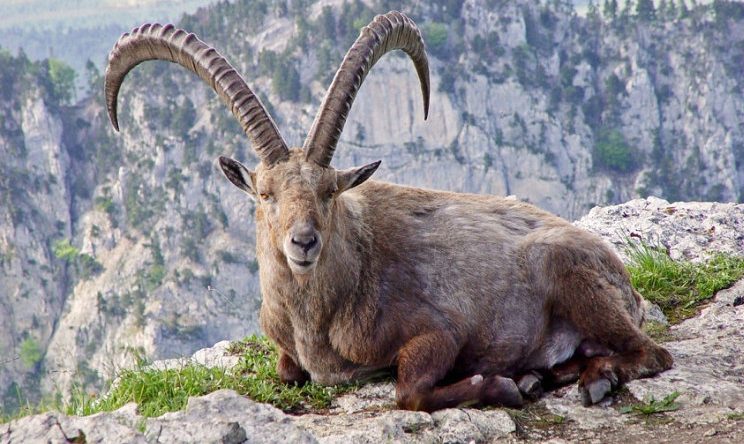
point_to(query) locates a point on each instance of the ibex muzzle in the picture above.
(302, 246)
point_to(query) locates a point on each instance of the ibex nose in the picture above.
(305, 238)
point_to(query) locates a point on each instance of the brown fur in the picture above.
(459, 292)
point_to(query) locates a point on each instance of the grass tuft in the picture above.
(680, 287)
(653, 406)
(160, 391)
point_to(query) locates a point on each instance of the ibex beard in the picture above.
(470, 299)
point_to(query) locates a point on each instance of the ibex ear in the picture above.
(348, 179)
(239, 175)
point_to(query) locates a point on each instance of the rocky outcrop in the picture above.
(691, 231)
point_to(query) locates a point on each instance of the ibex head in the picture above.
(295, 189)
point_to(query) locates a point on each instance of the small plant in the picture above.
(653, 406)
(613, 152)
(62, 249)
(30, 352)
(86, 265)
(680, 287)
(535, 416)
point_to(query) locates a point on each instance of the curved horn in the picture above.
(385, 33)
(157, 42)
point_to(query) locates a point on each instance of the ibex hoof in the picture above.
(530, 386)
(595, 391)
(502, 391)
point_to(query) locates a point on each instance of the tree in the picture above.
(612, 152)
(645, 10)
(93, 76)
(684, 12)
(661, 10)
(671, 10)
(62, 79)
(609, 9)
(30, 352)
(625, 12)
(328, 24)
(286, 81)
(592, 12)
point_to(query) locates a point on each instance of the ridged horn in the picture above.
(387, 32)
(158, 42)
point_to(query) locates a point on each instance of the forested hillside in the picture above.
(117, 246)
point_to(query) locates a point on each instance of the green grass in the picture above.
(652, 406)
(680, 287)
(160, 391)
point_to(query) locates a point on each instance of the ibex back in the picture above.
(471, 298)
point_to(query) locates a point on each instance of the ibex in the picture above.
(472, 299)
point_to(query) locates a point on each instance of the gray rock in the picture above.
(653, 313)
(467, 425)
(215, 356)
(372, 396)
(687, 230)
(708, 369)
(220, 417)
(708, 372)
(226, 417)
(120, 426)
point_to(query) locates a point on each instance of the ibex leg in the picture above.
(426, 359)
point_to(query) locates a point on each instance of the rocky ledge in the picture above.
(708, 375)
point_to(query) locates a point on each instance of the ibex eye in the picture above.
(265, 196)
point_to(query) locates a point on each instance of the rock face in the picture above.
(527, 99)
(708, 373)
(687, 230)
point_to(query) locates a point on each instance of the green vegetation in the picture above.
(652, 406)
(613, 153)
(62, 249)
(154, 276)
(30, 352)
(435, 35)
(85, 265)
(535, 416)
(159, 391)
(680, 287)
(106, 204)
(645, 10)
(62, 80)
